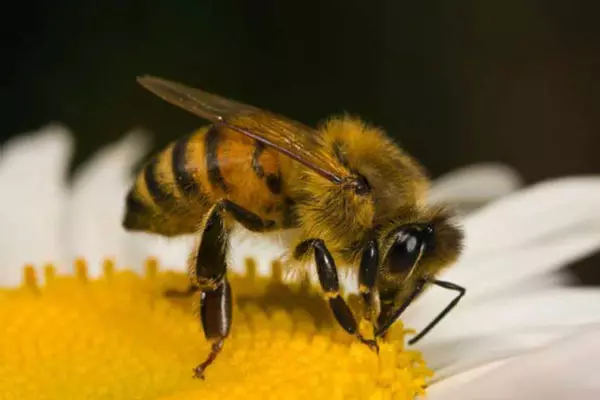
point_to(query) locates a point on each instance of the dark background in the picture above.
(514, 81)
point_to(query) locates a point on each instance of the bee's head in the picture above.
(413, 253)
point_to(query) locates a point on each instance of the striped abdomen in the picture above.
(178, 185)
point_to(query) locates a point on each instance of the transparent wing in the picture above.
(289, 137)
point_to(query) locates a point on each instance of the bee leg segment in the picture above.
(247, 218)
(328, 278)
(210, 275)
(367, 277)
(215, 313)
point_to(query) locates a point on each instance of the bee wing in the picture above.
(289, 137)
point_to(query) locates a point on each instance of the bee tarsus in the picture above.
(214, 352)
(210, 273)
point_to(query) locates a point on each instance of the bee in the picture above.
(355, 198)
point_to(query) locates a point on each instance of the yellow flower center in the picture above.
(119, 337)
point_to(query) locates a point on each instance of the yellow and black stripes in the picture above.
(135, 209)
(272, 180)
(176, 188)
(143, 202)
(187, 185)
(259, 148)
(154, 187)
(167, 197)
(159, 192)
(213, 168)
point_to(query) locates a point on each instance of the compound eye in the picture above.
(406, 250)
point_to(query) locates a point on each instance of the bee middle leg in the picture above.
(329, 280)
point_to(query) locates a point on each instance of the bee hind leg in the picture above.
(329, 280)
(215, 313)
(210, 273)
(245, 217)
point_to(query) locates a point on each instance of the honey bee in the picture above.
(354, 196)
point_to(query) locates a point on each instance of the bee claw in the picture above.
(216, 349)
(372, 344)
(199, 372)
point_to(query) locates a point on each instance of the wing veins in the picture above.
(217, 110)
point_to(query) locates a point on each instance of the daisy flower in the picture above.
(84, 316)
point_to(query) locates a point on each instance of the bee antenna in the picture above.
(446, 285)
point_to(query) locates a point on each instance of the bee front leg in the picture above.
(367, 277)
(328, 278)
(209, 272)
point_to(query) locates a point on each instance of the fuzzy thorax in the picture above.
(397, 199)
(342, 217)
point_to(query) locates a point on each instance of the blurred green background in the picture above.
(456, 82)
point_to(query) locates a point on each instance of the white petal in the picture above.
(263, 248)
(519, 268)
(172, 253)
(453, 356)
(545, 282)
(97, 203)
(474, 185)
(524, 237)
(562, 307)
(565, 370)
(439, 389)
(33, 171)
(533, 214)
